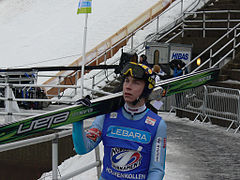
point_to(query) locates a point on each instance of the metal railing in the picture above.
(8, 98)
(200, 23)
(111, 45)
(234, 42)
(211, 102)
(54, 138)
(203, 22)
(139, 48)
(217, 51)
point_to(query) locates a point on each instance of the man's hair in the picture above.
(156, 68)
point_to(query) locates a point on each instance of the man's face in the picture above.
(132, 89)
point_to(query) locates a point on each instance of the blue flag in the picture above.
(84, 6)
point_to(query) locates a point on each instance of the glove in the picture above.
(85, 101)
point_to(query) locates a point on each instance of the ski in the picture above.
(20, 129)
(23, 128)
(58, 68)
(188, 81)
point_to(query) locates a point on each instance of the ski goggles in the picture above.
(135, 70)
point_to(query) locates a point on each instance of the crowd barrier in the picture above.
(211, 102)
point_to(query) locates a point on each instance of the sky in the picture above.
(49, 32)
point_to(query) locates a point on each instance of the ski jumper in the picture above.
(134, 143)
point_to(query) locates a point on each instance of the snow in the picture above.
(43, 33)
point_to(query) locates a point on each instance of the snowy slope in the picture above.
(35, 31)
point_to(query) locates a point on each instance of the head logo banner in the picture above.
(84, 6)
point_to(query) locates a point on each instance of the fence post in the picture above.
(183, 26)
(76, 82)
(204, 24)
(8, 105)
(238, 110)
(181, 6)
(234, 43)
(157, 25)
(97, 154)
(228, 22)
(205, 100)
(210, 62)
(59, 83)
(132, 41)
(55, 158)
(93, 81)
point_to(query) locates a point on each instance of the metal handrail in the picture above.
(32, 141)
(182, 19)
(215, 11)
(132, 34)
(210, 47)
(54, 138)
(135, 49)
(8, 99)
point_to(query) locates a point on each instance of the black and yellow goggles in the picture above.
(139, 71)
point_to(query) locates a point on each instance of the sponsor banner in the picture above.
(129, 134)
(181, 55)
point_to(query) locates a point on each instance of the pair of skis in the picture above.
(21, 129)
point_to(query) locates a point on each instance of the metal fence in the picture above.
(211, 102)
(54, 138)
(10, 104)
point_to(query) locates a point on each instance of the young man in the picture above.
(134, 137)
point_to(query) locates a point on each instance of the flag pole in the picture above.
(84, 55)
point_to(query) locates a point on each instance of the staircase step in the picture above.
(235, 74)
(223, 77)
(222, 7)
(234, 65)
(227, 84)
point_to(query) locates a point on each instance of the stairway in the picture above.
(200, 40)
(230, 74)
(201, 35)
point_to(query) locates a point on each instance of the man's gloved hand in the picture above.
(85, 101)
